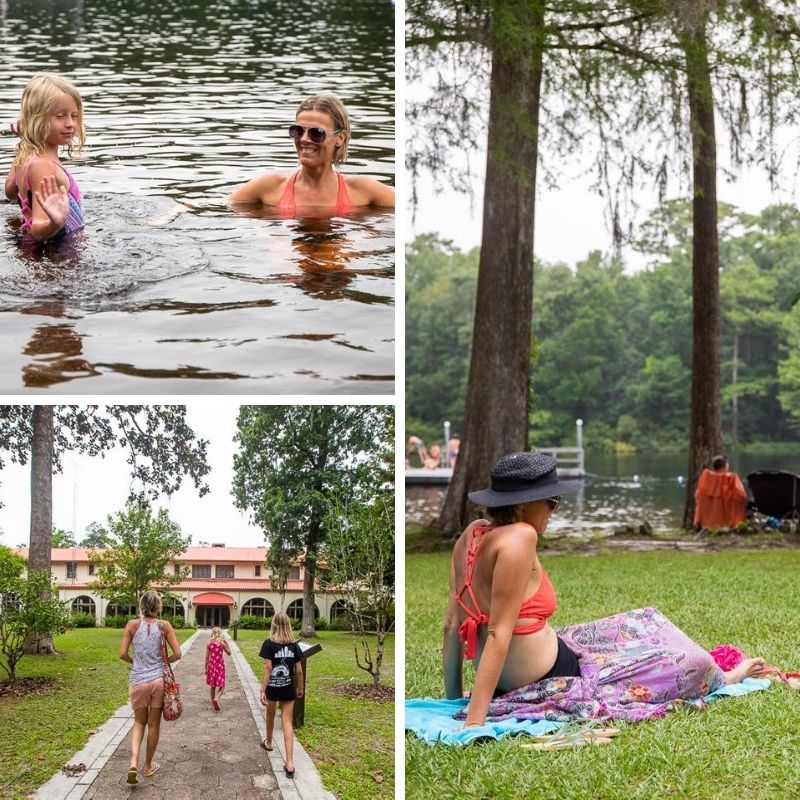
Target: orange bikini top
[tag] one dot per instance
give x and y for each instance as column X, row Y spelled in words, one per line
column 344, row 205
column 538, row 606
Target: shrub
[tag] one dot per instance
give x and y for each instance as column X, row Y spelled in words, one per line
column 254, row 622
column 83, row 620
column 116, row 621
column 176, row 622
column 321, row 624
column 340, row 623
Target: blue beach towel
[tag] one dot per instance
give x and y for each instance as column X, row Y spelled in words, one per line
column 432, row 720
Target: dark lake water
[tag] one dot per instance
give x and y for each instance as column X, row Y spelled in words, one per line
column 183, row 101
column 620, row 490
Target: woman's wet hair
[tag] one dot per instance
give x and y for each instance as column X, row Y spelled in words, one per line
column 281, row 629
column 334, row 108
column 38, row 98
column 150, row 604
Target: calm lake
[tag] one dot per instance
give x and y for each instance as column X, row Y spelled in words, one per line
column 619, row 490
column 184, row 101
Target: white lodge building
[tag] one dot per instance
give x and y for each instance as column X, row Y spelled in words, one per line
column 223, row 583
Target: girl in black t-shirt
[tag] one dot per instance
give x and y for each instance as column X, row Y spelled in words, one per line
column 282, row 683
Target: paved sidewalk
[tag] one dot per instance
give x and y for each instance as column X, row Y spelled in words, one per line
column 202, row 754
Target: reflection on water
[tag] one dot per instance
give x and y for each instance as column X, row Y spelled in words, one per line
column 619, row 490
column 184, row 101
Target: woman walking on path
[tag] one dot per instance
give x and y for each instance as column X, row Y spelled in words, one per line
column 215, row 665
column 282, row 683
column 146, row 680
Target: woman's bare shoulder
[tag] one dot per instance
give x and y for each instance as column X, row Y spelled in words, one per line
column 264, row 188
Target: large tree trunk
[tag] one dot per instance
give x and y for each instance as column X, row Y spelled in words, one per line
column 705, row 435
column 41, row 509
column 496, row 414
column 308, row 627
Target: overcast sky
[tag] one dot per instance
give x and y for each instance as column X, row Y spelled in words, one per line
column 91, row 488
column 572, row 220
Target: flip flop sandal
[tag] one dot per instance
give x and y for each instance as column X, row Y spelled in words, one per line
column 133, row 777
column 151, row 772
column 289, row 772
column 264, row 744
column 215, row 703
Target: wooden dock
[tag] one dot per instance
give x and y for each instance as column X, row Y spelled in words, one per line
column 570, row 457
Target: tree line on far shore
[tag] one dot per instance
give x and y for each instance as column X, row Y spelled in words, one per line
column 614, row 347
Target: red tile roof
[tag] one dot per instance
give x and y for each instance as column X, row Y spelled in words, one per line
column 220, row 555
column 196, row 584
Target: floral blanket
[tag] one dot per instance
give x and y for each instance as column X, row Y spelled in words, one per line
column 634, row 666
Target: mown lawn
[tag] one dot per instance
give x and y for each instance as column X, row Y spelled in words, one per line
column 737, row 748
column 351, row 741
column 40, row 733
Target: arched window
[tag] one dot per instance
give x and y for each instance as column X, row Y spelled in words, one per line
column 259, row 607
column 338, row 609
column 120, row 609
column 295, row 609
column 83, row 605
column 172, row 607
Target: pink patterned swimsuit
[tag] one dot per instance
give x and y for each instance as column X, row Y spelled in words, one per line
column 25, row 199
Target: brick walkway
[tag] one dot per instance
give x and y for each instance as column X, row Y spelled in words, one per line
column 202, row 754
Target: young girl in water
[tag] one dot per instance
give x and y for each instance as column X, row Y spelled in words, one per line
column 51, row 117
column 215, row 665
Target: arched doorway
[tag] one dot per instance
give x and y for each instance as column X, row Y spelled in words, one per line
column 212, row 616
column 212, row 609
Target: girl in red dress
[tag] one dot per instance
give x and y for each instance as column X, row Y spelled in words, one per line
column 215, row 665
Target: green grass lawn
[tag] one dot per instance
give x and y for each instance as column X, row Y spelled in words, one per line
column 351, row 741
column 40, row 733
column 737, row 748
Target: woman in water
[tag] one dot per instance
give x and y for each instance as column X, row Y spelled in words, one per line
column 321, row 134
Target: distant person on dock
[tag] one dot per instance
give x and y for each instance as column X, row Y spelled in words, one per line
column 415, row 452
column 452, row 450
column 720, row 498
column 434, row 459
column 321, row 134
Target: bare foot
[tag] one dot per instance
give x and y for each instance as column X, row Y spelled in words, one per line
column 749, row 668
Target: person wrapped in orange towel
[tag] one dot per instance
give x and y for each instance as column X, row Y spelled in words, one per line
column 720, row 497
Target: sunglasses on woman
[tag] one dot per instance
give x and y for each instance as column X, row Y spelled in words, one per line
column 555, row 502
column 317, row 135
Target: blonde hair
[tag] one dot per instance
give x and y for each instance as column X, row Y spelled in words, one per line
column 150, row 604
column 216, row 633
column 281, row 629
column 334, row 108
column 38, row 99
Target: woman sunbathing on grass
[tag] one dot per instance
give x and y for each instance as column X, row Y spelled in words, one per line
column 632, row 666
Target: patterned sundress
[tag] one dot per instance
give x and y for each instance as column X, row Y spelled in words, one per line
column 215, row 671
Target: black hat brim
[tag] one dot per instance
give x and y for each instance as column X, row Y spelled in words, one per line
column 494, row 499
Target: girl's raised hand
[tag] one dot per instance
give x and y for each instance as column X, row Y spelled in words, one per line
column 54, row 200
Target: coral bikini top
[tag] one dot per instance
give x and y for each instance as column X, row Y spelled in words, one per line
column 539, row 606
column 344, row 205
